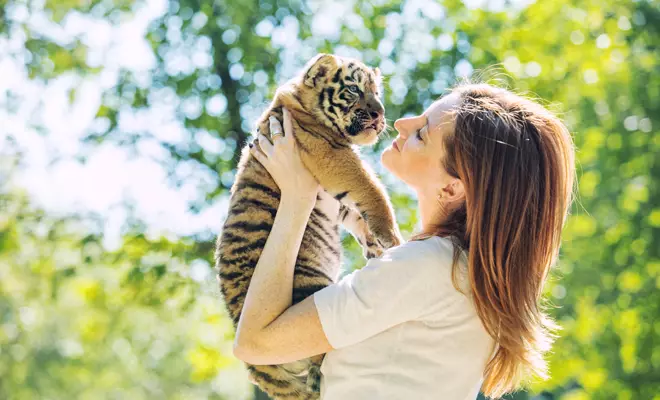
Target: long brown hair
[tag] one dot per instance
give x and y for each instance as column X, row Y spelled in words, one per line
column 516, row 162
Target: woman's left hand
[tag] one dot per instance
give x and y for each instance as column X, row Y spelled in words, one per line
column 282, row 160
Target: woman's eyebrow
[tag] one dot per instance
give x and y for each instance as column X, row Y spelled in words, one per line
column 426, row 120
column 424, row 130
column 428, row 129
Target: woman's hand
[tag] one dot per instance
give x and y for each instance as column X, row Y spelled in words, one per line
column 282, row 160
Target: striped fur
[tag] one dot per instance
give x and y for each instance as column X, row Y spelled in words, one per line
column 333, row 104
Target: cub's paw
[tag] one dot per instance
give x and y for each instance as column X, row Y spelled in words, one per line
column 371, row 248
column 387, row 237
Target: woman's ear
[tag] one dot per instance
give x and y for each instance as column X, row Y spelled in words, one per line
column 453, row 191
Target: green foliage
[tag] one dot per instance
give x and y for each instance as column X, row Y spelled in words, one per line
column 77, row 319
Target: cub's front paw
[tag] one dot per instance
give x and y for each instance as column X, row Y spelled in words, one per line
column 386, row 237
column 371, row 248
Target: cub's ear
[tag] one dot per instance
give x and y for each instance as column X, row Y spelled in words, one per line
column 379, row 77
column 318, row 67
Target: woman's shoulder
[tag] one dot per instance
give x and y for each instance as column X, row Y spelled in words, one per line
column 434, row 248
column 434, row 256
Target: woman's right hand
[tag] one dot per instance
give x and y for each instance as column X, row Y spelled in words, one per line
column 282, row 160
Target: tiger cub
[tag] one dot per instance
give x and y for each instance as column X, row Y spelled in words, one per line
column 334, row 104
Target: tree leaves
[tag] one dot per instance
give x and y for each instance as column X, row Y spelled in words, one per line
column 117, row 319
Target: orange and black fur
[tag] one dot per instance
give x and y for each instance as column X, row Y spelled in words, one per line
column 334, row 104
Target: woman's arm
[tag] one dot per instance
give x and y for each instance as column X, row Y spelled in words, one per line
column 270, row 330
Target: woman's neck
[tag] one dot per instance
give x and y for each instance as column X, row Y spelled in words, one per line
column 433, row 211
column 430, row 210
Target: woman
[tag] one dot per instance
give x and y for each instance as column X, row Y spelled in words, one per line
column 455, row 310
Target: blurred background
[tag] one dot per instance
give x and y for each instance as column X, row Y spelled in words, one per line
column 121, row 122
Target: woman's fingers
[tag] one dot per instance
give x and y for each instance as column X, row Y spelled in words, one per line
column 288, row 123
column 275, row 127
column 265, row 145
column 258, row 154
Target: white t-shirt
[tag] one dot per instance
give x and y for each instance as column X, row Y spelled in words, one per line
column 401, row 330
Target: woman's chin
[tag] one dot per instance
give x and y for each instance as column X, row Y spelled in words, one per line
column 387, row 161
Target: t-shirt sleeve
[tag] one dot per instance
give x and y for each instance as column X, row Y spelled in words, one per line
column 395, row 288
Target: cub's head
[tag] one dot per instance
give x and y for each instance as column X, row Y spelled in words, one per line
column 343, row 94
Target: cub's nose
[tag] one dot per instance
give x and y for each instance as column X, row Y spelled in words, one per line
column 375, row 109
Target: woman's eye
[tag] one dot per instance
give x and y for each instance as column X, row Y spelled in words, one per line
column 419, row 134
column 353, row 89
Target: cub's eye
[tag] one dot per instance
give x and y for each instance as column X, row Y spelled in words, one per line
column 353, row 89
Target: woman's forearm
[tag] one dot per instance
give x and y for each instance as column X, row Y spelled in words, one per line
column 271, row 286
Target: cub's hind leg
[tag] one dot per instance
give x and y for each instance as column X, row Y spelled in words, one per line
column 280, row 383
column 318, row 266
column 319, row 257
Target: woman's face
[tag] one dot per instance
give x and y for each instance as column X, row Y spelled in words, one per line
column 417, row 153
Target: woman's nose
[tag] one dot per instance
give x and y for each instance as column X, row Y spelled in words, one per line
column 400, row 125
